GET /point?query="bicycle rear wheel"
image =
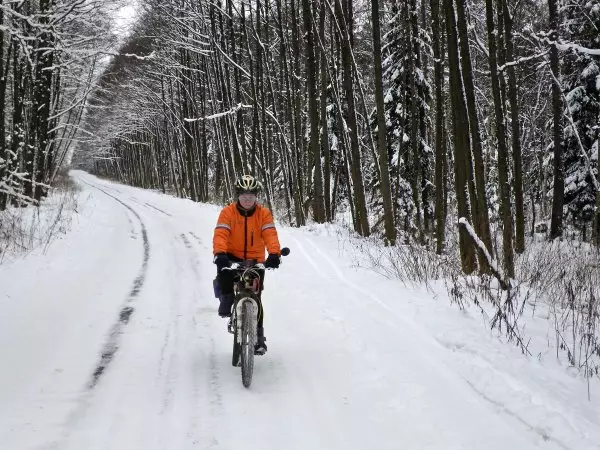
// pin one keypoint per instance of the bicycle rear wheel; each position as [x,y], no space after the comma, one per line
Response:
[248,341]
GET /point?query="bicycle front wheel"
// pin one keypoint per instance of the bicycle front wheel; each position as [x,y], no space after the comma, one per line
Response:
[248,341]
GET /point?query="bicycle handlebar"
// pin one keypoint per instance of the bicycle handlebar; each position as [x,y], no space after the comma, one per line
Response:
[236,265]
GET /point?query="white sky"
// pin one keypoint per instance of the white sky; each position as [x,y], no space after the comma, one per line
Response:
[125,16]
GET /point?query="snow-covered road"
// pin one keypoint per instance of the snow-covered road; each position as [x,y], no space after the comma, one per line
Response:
[111,341]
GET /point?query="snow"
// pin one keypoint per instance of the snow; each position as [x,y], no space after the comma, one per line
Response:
[571,187]
[219,115]
[578,48]
[420,78]
[574,99]
[388,97]
[355,360]
[591,70]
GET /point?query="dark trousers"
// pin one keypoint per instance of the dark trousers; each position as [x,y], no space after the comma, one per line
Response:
[227,278]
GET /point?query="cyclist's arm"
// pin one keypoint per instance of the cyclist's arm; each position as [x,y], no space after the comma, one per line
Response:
[222,233]
[269,233]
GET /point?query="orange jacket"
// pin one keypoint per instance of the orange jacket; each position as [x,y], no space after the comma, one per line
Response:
[245,235]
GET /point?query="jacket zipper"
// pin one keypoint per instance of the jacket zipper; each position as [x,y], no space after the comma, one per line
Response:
[245,237]
[252,239]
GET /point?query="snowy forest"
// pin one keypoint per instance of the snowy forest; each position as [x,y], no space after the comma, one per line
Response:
[388,112]
[432,171]
[467,130]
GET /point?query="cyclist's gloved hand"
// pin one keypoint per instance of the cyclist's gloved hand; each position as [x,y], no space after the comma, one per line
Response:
[222,260]
[272,261]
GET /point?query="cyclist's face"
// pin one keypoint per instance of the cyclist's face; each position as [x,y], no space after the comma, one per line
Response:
[247,200]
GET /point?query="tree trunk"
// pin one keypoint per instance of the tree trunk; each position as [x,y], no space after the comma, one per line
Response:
[440,145]
[388,211]
[505,210]
[516,131]
[3,64]
[558,198]
[460,127]
[325,151]
[596,230]
[362,223]
[297,116]
[415,166]
[43,95]
[313,112]
[481,218]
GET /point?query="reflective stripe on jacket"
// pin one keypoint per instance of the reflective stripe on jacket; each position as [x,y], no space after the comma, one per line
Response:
[245,235]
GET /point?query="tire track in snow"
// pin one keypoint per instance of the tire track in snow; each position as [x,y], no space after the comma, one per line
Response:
[148,205]
[112,343]
[193,433]
[216,396]
[544,434]
[133,199]
[157,209]
[207,386]
[186,241]
[198,240]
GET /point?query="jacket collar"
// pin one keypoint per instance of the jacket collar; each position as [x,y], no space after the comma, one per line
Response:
[245,212]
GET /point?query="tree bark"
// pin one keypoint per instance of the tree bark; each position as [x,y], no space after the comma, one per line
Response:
[313,112]
[460,127]
[415,116]
[516,131]
[505,209]
[362,223]
[388,211]
[482,220]
[440,145]
[558,197]
[325,151]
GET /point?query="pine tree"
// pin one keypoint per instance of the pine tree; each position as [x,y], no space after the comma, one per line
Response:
[400,103]
[582,91]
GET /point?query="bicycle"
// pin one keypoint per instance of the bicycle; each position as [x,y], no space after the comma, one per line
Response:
[244,315]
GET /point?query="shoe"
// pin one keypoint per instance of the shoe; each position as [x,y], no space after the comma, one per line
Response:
[260,348]
[225,305]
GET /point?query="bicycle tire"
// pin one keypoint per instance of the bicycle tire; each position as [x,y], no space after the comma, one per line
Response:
[248,341]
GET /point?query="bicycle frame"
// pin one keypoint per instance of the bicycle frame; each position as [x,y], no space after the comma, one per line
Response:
[247,288]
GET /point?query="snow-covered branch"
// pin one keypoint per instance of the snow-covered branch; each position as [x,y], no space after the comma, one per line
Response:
[221,114]
[481,246]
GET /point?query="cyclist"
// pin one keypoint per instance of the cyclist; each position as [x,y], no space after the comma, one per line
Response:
[243,230]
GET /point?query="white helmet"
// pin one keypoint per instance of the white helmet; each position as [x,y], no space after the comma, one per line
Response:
[247,183]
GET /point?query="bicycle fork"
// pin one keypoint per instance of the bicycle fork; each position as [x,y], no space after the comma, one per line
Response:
[236,319]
